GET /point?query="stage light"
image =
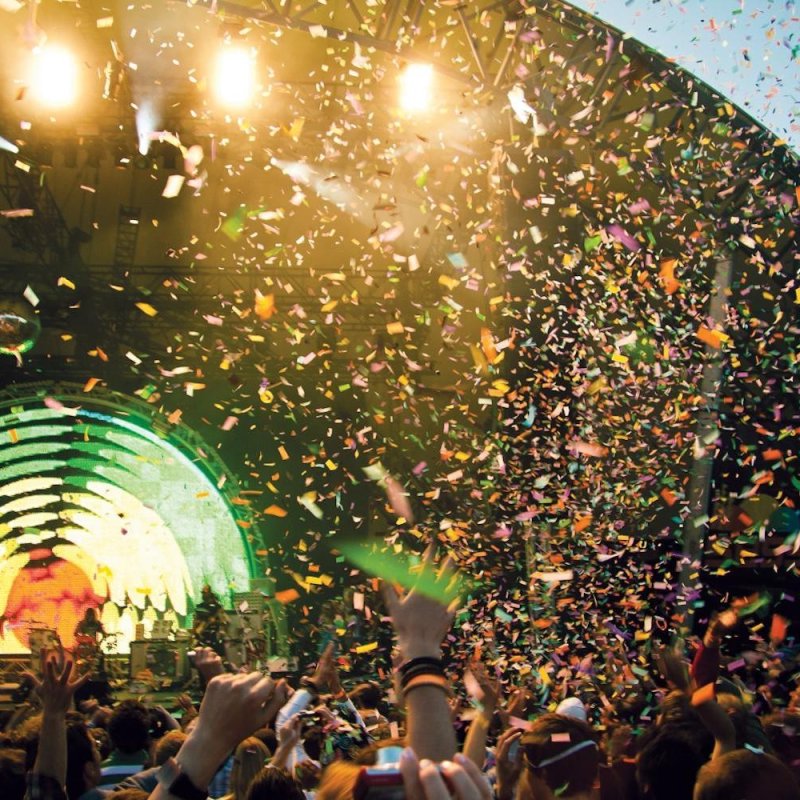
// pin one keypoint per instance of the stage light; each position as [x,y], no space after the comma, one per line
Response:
[235,76]
[54,76]
[19,327]
[416,87]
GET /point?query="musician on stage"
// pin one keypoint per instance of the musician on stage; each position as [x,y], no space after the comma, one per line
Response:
[90,626]
[209,622]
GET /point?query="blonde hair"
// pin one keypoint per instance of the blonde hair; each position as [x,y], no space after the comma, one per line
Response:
[338,781]
[248,760]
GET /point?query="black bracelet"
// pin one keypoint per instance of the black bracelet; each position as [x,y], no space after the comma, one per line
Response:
[422,669]
[427,661]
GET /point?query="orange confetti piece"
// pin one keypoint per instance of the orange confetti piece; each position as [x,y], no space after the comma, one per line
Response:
[487,343]
[13,435]
[275,511]
[90,384]
[710,337]
[773,454]
[669,497]
[287,596]
[667,275]
[175,417]
[581,523]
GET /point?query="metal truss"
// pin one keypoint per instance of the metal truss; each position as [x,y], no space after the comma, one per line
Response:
[31,216]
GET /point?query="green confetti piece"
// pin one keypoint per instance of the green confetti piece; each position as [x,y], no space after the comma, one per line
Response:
[410,574]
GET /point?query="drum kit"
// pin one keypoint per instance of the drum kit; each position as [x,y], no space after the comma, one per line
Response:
[88,652]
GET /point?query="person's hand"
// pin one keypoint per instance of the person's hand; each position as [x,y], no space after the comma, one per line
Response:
[57,687]
[517,703]
[423,779]
[508,759]
[208,663]
[185,702]
[233,707]
[288,738]
[325,672]
[420,621]
[489,687]
[674,670]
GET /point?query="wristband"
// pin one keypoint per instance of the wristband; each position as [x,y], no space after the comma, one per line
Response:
[427,661]
[178,783]
[437,681]
[418,672]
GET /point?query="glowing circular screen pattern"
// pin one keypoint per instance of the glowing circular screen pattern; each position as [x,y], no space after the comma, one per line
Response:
[98,510]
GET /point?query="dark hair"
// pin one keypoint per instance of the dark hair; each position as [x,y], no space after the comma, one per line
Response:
[274,784]
[667,767]
[268,738]
[366,695]
[80,752]
[742,774]
[546,745]
[12,773]
[129,726]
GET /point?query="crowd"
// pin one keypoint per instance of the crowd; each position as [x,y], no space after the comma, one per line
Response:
[707,725]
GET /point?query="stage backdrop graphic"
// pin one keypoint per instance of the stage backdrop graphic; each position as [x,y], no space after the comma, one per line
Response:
[102,503]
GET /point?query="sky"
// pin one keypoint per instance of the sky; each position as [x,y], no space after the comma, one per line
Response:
[749,50]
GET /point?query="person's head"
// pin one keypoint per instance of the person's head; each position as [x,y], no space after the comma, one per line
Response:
[338,781]
[248,760]
[129,726]
[268,738]
[167,747]
[667,767]
[274,784]
[366,695]
[745,775]
[12,773]
[561,759]
[83,760]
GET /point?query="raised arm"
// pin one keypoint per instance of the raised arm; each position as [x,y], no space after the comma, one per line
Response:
[233,707]
[421,622]
[475,744]
[56,689]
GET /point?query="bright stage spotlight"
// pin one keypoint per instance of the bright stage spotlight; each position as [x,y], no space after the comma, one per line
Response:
[235,76]
[416,87]
[54,76]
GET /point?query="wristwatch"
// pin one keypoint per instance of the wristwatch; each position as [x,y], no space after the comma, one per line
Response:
[178,783]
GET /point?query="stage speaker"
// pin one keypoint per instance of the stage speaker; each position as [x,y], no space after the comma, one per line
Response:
[163,658]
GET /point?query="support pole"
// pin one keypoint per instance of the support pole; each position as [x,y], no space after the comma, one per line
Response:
[706,433]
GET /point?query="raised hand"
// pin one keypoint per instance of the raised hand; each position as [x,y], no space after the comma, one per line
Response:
[509,762]
[233,707]
[57,687]
[326,676]
[208,663]
[421,621]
